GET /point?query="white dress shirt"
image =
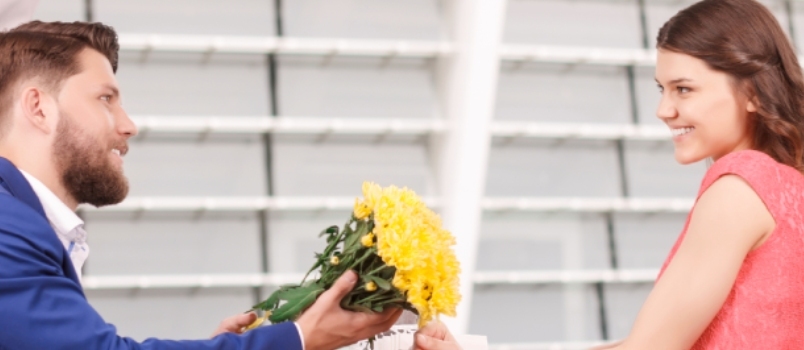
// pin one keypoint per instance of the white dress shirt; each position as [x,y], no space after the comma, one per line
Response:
[68,226]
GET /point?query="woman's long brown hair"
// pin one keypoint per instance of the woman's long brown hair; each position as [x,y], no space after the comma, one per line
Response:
[743,39]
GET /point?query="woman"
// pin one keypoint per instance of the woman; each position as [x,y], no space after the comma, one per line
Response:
[732,91]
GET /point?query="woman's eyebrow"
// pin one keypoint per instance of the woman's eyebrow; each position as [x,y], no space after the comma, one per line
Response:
[674,81]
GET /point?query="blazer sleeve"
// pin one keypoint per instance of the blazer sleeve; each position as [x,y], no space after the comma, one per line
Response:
[41,308]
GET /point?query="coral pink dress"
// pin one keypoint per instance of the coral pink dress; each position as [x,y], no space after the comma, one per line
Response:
[765,308]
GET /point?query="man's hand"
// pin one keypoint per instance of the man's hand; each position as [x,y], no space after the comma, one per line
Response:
[325,325]
[235,324]
[435,336]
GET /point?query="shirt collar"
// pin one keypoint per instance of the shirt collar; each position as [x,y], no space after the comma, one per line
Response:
[63,220]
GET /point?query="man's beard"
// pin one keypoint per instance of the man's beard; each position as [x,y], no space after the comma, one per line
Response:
[86,170]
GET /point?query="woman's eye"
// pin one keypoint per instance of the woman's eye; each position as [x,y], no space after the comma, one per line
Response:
[683,89]
[106,98]
[661,89]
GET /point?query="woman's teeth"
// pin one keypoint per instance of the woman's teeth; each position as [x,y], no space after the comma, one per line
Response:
[116,151]
[681,131]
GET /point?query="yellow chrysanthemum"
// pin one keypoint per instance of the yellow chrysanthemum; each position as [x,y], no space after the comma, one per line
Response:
[334,260]
[257,322]
[361,210]
[410,238]
[367,240]
[371,194]
[371,286]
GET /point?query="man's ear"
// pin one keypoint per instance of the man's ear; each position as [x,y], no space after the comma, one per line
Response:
[37,108]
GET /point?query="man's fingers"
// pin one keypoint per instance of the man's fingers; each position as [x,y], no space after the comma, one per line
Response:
[370,324]
[235,323]
[390,321]
[245,319]
[341,287]
[372,320]
[385,320]
[390,313]
[379,323]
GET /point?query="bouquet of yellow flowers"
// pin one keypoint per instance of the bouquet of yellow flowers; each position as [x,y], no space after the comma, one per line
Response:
[400,252]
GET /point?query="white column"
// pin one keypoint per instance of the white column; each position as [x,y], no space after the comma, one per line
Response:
[467,82]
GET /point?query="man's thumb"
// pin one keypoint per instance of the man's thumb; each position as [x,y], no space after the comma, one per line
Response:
[343,285]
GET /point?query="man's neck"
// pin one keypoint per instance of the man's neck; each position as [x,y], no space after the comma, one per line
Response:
[54,185]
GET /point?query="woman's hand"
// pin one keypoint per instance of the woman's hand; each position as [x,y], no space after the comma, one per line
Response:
[435,336]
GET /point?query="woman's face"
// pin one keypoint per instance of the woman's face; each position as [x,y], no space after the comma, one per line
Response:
[706,114]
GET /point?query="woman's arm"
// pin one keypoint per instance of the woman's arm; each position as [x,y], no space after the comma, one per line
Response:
[728,221]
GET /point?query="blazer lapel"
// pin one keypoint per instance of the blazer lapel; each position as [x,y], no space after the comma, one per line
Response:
[16,184]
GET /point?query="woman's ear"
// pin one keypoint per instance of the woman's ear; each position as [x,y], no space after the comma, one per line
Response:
[752,104]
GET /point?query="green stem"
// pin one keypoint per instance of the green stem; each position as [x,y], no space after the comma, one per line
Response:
[332,246]
[378,269]
[374,296]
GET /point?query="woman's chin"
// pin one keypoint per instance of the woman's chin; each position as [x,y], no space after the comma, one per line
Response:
[685,158]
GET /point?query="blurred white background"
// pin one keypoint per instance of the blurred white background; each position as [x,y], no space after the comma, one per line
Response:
[539,145]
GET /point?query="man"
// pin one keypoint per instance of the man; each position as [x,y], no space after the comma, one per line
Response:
[63,135]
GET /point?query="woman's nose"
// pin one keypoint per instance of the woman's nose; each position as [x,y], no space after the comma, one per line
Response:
[666,109]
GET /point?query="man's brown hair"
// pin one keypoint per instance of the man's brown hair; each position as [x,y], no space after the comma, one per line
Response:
[48,51]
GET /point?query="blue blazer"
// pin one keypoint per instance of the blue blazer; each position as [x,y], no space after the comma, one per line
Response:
[42,305]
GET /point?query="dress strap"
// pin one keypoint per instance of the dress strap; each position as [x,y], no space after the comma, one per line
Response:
[766,176]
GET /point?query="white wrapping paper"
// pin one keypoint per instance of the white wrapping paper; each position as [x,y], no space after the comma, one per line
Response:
[400,337]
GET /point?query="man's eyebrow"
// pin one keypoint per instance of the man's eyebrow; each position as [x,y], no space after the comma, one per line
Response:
[674,81]
[115,90]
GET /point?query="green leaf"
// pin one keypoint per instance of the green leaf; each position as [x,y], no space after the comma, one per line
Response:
[347,260]
[381,283]
[352,241]
[332,230]
[299,291]
[362,228]
[347,227]
[272,300]
[317,264]
[356,307]
[387,273]
[294,306]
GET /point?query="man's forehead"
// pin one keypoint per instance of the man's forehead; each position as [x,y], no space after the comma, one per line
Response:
[91,59]
[95,70]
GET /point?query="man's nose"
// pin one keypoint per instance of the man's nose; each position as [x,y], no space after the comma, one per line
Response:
[125,125]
